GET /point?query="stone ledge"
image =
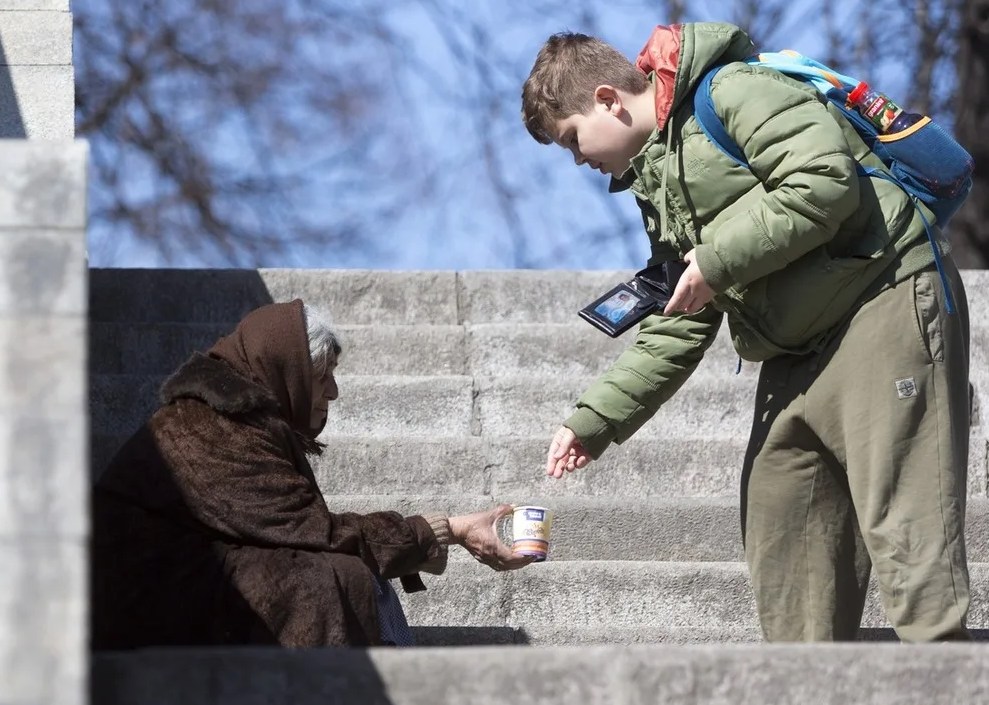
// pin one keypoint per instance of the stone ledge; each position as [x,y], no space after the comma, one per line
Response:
[867,674]
[38,103]
[35,38]
[43,184]
[56,5]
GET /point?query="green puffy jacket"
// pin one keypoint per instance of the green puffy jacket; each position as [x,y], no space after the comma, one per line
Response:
[790,247]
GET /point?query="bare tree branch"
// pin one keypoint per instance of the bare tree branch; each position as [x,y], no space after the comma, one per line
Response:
[247,131]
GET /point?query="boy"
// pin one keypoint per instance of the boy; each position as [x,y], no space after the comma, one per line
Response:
[858,451]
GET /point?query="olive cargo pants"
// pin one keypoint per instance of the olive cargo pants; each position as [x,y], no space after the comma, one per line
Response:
[858,458]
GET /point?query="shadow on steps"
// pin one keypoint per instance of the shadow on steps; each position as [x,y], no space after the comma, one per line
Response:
[516,636]
[887,634]
[469,636]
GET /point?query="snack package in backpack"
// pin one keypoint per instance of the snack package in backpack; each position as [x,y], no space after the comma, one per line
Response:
[923,159]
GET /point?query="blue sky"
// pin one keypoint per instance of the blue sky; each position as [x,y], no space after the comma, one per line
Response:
[563,220]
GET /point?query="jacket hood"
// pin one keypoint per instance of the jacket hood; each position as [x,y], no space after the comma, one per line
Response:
[679,55]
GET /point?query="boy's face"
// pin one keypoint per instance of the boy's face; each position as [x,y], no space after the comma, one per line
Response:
[603,137]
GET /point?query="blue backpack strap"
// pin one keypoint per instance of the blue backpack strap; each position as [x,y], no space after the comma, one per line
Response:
[710,122]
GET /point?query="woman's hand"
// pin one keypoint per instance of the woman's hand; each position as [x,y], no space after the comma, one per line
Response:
[478,533]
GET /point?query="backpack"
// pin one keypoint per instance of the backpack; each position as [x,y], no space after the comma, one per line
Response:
[924,160]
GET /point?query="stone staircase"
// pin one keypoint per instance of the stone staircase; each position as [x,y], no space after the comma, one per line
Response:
[451,386]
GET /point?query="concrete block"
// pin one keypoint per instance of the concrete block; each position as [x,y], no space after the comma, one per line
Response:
[43,475]
[410,406]
[372,406]
[713,675]
[701,409]
[532,296]
[403,350]
[977,292]
[978,463]
[541,296]
[618,593]
[42,272]
[356,296]
[573,350]
[598,528]
[674,529]
[630,593]
[511,468]
[468,594]
[148,348]
[220,297]
[485,350]
[43,633]
[43,184]
[644,466]
[159,348]
[59,5]
[368,297]
[347,296]
[787,674]
[979,376]
[605,634]
[37,103]
[33,38]
[43,362]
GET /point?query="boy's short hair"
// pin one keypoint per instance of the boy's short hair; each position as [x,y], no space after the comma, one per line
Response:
[567,70]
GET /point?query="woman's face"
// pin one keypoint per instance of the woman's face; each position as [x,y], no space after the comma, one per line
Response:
[324,391]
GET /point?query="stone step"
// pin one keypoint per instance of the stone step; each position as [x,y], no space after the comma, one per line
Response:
[458,405]
[786,674]
[600,528]
[349,296]
[352,296]
[621,594]
[573,636]
[677,529]
[513,467]
[480,350]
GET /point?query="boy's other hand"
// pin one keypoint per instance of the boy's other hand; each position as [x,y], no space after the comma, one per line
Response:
[692,292]
[565,454]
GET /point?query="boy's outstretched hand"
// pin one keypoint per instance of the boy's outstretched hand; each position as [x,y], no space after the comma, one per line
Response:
[565,454]
[692,292]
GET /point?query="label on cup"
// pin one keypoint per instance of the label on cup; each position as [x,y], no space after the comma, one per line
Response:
[530,531]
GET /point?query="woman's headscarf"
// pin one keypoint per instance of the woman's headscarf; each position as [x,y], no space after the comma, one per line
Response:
[271,348]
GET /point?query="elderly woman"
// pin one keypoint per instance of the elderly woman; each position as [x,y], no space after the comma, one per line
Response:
[208,525]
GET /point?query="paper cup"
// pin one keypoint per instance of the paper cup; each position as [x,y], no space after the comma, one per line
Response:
[530,531]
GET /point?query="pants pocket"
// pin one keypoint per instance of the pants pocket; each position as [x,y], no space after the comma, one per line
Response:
[928,309]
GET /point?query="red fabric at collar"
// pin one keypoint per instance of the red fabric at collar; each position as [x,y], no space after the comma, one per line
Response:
[661,54]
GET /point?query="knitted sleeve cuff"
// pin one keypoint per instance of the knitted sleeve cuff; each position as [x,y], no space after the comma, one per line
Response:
[440,526]
[593,432]
[715,272]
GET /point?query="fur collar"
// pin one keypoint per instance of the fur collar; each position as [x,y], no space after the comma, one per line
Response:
[217,384]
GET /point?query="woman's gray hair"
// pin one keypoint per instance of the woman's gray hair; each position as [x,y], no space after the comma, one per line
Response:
[324,343]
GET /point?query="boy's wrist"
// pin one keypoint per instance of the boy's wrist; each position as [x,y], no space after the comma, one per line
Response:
[594,433]
[715,272]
